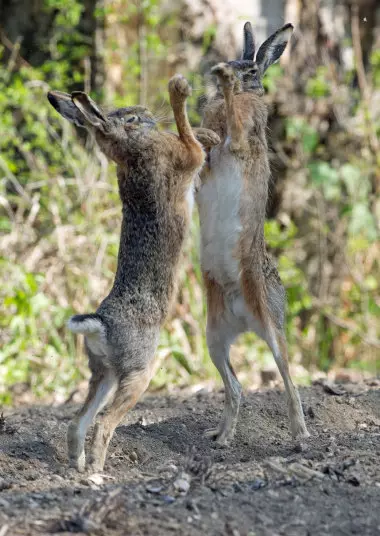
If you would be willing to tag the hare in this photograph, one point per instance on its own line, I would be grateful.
(155, 173)
(243, 288)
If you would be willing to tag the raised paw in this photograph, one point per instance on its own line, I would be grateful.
(179, 86)
(207, 138)
(225, 73)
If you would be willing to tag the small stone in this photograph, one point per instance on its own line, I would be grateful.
(257, 484)
(133, 456)
(182, 484)
(5, 484)
(168, 499)
(154, 489)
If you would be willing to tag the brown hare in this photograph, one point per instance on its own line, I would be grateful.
(155, 176)
(244, 290)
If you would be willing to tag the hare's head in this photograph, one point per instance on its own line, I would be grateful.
(250, 69)
(80, 109)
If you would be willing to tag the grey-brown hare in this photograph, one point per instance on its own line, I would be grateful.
(244, 290)
(155, 173)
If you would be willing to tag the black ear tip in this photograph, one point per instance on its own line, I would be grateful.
(80, 95)
(288, 26)
(248, 27)
(52, 99)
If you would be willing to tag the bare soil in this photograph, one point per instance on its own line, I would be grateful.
(163, 477)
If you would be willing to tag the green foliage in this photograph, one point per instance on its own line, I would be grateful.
(59, 215)
(298, 129)
(318, 86)
(208, 37)
(272, 77)
(375, 64)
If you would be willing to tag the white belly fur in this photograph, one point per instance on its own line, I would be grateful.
(219, 206)
(190, 198)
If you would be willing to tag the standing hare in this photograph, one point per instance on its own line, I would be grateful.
(155, 175)
(244, 290)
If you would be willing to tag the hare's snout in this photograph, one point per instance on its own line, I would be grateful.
(178, 85)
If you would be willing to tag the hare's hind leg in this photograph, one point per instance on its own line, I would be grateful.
(277, 343)
(128, 392)
(101, 388)
(220, 336)
(272, 320)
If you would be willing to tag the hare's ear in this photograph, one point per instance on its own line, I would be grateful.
(64, 105)
(249, 43)
(271, 50)
(90, 111)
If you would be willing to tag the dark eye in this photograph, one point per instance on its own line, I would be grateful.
(131, 119)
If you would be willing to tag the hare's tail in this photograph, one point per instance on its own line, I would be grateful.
(94, 328)
(89, 324)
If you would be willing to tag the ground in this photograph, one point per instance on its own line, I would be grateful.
(163, 477)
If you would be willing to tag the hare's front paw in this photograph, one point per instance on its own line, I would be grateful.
(179, 86)
(207, 138)
(225, 73)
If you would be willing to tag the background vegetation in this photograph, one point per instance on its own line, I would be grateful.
(60, 213)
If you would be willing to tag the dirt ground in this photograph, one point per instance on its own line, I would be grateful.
(163, 477)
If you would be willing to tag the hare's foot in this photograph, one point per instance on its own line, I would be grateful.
(223, 433)
(225, 74)
(179, 87)
(75, 447)
(98, 448)
(299, 431)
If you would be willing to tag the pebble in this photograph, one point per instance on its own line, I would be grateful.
(5, 484)
(168, 499)
(154, 489)
(182, 484)
(133, 456)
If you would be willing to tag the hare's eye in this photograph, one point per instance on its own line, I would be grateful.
(131, 119)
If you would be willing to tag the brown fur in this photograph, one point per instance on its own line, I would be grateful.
(155, 172)
(250, 289)
(215, 299)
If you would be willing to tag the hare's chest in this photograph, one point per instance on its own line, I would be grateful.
(218, 202)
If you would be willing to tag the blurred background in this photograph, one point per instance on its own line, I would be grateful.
(59, 206)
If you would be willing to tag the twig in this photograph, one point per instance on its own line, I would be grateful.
(11, 47)
(350, 326)
(362, 80)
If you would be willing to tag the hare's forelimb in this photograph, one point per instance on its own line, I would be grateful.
(129, 390)
(235, 128)
(179, 90)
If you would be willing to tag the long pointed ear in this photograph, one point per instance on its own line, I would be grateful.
(249, 43)
(90, 111)
(271, 50)
(64, 105)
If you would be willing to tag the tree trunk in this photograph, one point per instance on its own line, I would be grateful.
(34, 29)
